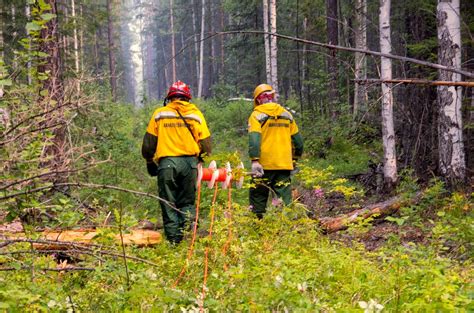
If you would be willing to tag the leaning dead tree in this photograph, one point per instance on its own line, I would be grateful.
(376, 211)
(342, 48)
(415, 82)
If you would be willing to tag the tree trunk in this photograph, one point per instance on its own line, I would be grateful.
(201, 52)
(222, 54)
(76, 46)
(298, 57)
(56, 154)
(165, 68)
(376, 210)
(360, 33)
(304, 88)
(2, 54)
(266, 40)
(333, 34)
(450, 137)
(196, 45)
(28, 64)
(14, 33)
(388, 133)
(110, 34)
(81, 37)
(173, 44)
(274, 47)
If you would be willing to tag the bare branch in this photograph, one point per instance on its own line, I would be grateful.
(415, 81)
(146, 194)
(329, 46)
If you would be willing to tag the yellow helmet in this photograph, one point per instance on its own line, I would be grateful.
(260, 89)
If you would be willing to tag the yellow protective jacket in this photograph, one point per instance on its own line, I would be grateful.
(167, 134)
(274, 139)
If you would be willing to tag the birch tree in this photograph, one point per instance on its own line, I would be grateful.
(450, 136)
(266, 40)
(360, 60)
(201, 51)
(273, 47)
(388, 133)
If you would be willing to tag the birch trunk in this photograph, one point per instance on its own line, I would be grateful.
(201, 51)
(76, 45)
(110, 34)
(266, 39)
(450, 136)
(388, 133)
(196, 46)
(274, 48)
(360, 34)
(173, 44)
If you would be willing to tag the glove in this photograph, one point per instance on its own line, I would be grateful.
(152, 168)
(257, 169)
(295, 169)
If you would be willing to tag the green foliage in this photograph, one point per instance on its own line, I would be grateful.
(278, 263)
(326, 181)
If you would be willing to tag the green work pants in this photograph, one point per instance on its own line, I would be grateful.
(177, 186)
(275, 182)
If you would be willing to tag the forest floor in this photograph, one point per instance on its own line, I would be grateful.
(374, 235)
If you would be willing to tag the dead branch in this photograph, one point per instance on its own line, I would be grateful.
(414, 81)
(48, 269)
(29, 131)
(78, 246)
(146, 194)
(76, 251)
(329, 46)
(50, 173)
(381, 209)
(240, 99)
(6, 132)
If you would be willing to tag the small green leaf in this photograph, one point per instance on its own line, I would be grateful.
(33, 26)
(5, 82)
(48, 16)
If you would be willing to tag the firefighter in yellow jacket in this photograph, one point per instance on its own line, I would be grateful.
(274, 146)
(176, 137)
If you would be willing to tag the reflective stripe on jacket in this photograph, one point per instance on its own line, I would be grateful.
(173, 137)
(272, 130)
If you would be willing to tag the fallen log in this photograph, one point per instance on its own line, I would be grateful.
(56, 239)
(381, 209)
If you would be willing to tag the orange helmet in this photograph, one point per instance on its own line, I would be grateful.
(179, 89)
(261, 89)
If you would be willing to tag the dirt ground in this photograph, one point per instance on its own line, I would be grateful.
(373, 235)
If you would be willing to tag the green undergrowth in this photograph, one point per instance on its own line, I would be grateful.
(281, 263)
